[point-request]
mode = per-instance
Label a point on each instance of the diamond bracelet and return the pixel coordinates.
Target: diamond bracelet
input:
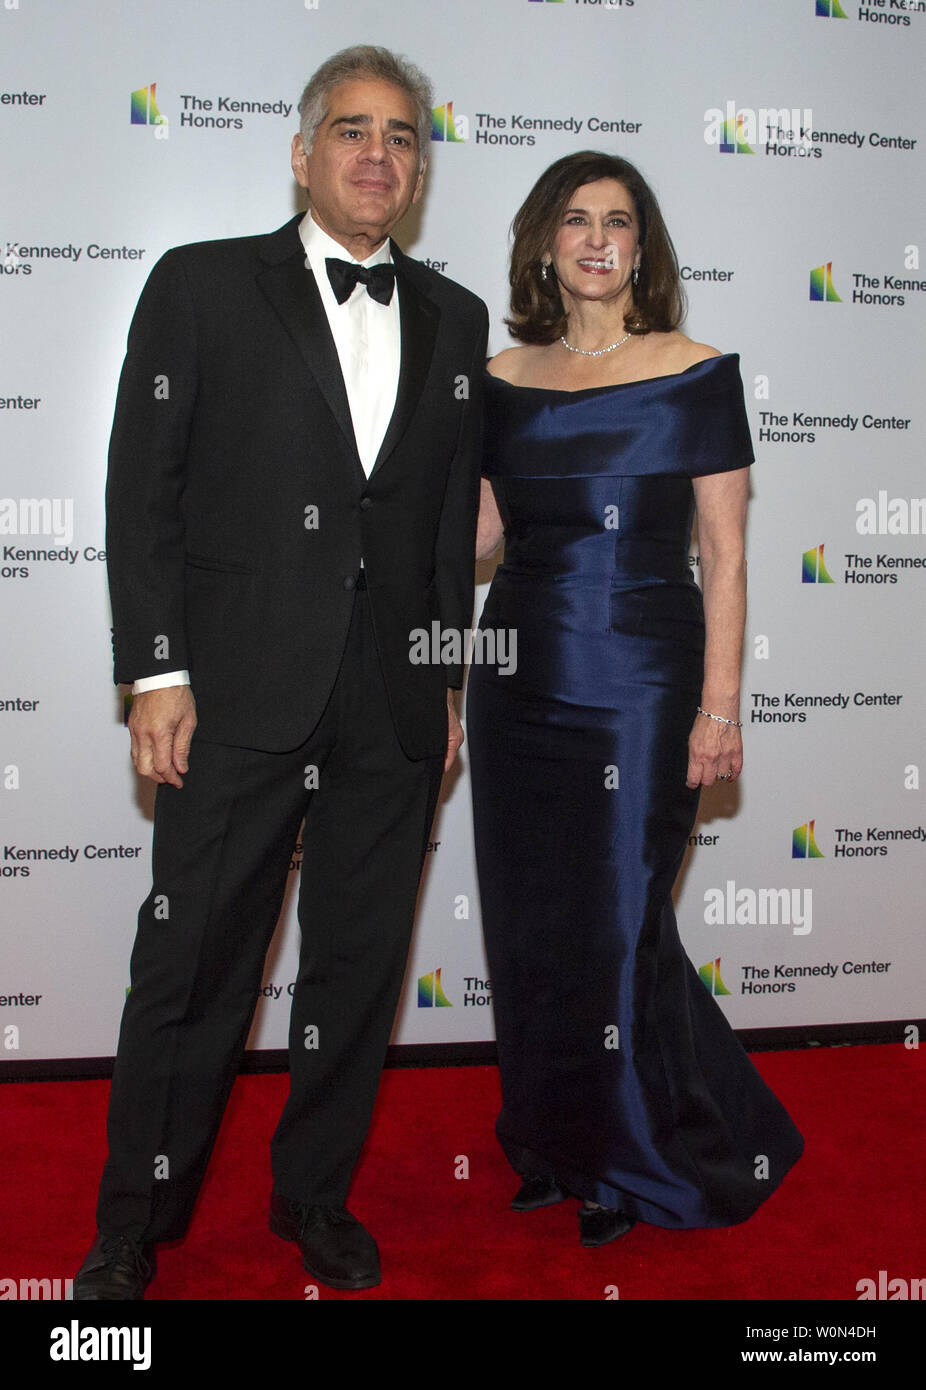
(734, 723)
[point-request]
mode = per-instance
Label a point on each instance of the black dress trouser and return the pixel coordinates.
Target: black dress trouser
(222, 850)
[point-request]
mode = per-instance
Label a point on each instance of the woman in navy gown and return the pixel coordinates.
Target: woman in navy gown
(622, 1082)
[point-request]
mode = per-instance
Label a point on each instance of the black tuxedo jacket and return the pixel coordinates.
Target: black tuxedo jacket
(238, 510)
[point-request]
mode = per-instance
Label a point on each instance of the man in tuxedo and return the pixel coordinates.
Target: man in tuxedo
(292, 490)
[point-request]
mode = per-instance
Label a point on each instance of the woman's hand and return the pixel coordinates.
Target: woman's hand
(715, 752)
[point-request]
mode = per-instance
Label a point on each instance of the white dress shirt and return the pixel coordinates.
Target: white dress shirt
(368, 339)
(367, 336)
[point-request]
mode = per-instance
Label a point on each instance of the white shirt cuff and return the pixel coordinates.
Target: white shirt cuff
(161, 682)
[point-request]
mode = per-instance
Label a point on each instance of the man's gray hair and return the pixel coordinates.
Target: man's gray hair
(366, 60)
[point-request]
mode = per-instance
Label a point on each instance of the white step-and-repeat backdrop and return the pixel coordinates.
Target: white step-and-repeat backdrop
(786, 141)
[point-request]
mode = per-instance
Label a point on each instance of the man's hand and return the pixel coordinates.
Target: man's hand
(161, 725)
(454, 732)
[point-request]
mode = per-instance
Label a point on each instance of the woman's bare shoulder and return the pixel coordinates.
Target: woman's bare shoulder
(684, 352)
(514, 364)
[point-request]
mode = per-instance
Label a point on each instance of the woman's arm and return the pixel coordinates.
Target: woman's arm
(715, 749)
(489, 529)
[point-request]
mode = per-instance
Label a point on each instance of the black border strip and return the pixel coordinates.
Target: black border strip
(478, 1054)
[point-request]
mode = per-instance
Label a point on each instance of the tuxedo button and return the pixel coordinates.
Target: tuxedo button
(350, 582)
(366, 503)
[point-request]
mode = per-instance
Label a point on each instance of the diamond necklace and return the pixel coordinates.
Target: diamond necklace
(585, 352)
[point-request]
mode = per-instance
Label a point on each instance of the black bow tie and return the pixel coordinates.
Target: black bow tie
(344, 275)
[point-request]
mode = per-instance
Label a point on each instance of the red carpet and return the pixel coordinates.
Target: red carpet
(851, 1207)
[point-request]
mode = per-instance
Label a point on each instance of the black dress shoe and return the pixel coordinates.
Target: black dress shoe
(536, 1192)
(116, 1268)
(598, 1225)
(335, 1248)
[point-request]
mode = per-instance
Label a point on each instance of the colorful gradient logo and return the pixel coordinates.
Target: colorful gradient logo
(710, 975)
(732, 140)
(830, 9)
(813, 570)
(431, 992)
(145, 107)
(443, 126)
(803, 843)
(821, 285)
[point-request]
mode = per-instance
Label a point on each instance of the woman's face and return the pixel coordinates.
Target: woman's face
(596, 245)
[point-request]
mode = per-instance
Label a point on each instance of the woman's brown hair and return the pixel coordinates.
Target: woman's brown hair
(537, 313)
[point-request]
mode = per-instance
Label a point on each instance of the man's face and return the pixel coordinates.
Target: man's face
(362, 174)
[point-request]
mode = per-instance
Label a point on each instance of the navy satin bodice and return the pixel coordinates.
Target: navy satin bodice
(564, 467)
(594, 488)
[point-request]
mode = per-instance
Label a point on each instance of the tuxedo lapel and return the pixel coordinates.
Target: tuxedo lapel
(418, 316)
(291, 289)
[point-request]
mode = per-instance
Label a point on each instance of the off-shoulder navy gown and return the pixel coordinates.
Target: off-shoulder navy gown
(582, 816)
